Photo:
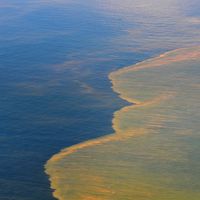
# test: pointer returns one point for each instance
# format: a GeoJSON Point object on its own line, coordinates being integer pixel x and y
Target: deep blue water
{"type": "Point", "coordinates": [54, 64]}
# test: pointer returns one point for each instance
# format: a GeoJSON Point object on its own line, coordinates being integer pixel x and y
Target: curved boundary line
{"type": "Point", "coordinates": [149, 63]}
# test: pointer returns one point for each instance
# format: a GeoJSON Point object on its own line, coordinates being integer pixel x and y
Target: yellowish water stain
{"type": "Point", "coordinates": [153, 153]}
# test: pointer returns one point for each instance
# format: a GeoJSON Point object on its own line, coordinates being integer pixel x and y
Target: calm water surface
{"type": "Point", "coordinates": [55, 57]}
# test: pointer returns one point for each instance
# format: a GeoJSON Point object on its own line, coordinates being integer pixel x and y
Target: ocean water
{"type": "Point", "coordinates": [55, 57]}
{"type": "Point", "coordinates": [153, 152]}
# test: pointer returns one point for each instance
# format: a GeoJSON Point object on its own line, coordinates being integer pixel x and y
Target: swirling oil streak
{"type": "Point", "coordinates": [149, 101]}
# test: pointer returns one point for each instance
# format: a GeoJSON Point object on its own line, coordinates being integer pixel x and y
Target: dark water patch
{"type": "Point", "coordinates": [54, 63]}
